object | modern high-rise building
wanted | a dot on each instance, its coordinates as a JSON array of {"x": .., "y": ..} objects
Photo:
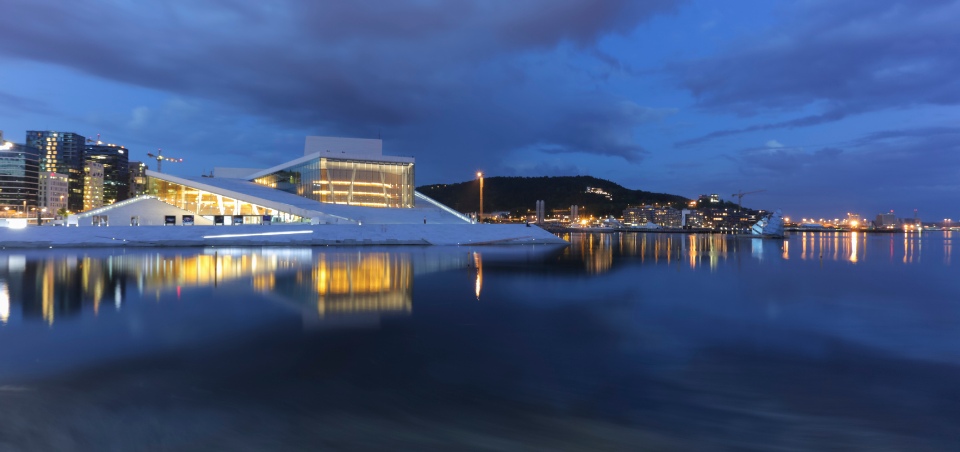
[
  {"x": 61, "y": 152},
  {"x": 116, "y": 171},
  {"x": 53, "y": 191},
  {"x": 137, "y": 182},
  {"x": 19, "y": 182},
  {"x": 886, "y": 221},
  {"x": 92, "y": 185},
  {"x": 58, "y": 150}
]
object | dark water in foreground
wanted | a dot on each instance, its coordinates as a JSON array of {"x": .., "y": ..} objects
[{"x": 617, "y": 342}]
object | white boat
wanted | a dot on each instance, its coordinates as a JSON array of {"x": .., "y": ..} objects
[{"x": 769, "y": 226}]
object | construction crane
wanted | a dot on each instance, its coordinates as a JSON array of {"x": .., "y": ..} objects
[
  {"x": 160, "y": 158},
  {"x": 740, "y": 194}
]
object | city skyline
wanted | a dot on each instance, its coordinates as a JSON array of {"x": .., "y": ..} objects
[{"x": 827, "y": 107}]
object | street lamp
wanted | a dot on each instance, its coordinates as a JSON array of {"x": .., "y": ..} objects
[{"x": 480, "y": 216}]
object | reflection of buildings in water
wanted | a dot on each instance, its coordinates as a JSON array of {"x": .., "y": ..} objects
[
  {"x": 50, "y": 287},
  {"x": 594, "y": 250},
  {"x": 478, "y": 264},
  {"x": 712, "y": 246},
  {"x": 854, "y": 247},
  {"x": 718, "y": 249},
  {"x": 350, "y": 283},
  {"x": 4, "y": 302},
  {"x": 912, "y": 248},
  {"x": 693, "y": 251},
  {"x": 597, "y": 251},
  {"x": 214, "y": 267},
  {"x": 61, "y": 285},
  {"x": 756, "y": 248},
  {"x": 947, "y": 243}
]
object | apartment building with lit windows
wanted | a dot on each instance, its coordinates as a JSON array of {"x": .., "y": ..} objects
[
  {"x": 53, "y": 191},
  {"x": 92, "y": 185},
  {"x": 61, "y": 152}
]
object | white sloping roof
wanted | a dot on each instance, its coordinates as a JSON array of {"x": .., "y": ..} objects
[
  {"x": 149, "y": 211},
  {"x": 234, "y": 173},
  {"x": 308, "y": 208}
]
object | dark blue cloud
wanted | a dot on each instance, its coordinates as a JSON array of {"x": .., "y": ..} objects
[
  {"x": 783, "y": 161},
  {"x": 896, "y": 169},
  {"x": 23, "y": 104},
  {"x": 358, "y": 68},
  {"x": 668, "y": 95},
  {"x": 840, "y": 58}
]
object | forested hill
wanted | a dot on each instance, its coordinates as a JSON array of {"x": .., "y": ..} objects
[{"x": 520, "y": 194}]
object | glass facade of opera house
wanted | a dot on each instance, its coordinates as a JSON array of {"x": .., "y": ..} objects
[{"x": 354, "y": 182}]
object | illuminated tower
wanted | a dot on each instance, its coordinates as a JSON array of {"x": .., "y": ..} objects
[
  {"x": 61, "y": 152},
  {"x": 116, "y": 169}
]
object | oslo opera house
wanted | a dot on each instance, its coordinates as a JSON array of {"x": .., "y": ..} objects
[{"x": 341, "y": 191}]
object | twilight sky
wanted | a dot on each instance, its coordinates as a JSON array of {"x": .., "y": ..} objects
[{"x": 828, "y": 106}]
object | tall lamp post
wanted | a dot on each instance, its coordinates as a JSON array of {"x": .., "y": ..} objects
[{"x": 480, "y": 216}]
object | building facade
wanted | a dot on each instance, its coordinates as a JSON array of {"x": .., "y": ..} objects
[
  {"x": 337, "y": 181},
  {"x": 346, "y": 181},
  {"x": 19, "y": 178},
  {"x": 58, "y": 150},
  {"x": 886, "y": 221},
  {"x": 345, "y": 171},
  {"x": 53, "y": 191},
  {"x": 137, "y": 179},
  {"x": 92, "y": 185},
  {"x": 666, "y": 217},
  {"x": 116, "y": 171},
  {"x": 61, "y": 152}
]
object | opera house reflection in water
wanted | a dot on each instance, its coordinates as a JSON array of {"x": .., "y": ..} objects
[
  {"x": 348, "y": 283},
  {"x": 322, "y": 284},
  {"x": 599, "y": 252}
]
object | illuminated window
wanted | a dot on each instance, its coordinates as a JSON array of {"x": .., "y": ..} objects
[{"x": 365, "y": 183}]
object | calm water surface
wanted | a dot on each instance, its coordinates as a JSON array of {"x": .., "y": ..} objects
[{"x": 824, "y": 341}]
